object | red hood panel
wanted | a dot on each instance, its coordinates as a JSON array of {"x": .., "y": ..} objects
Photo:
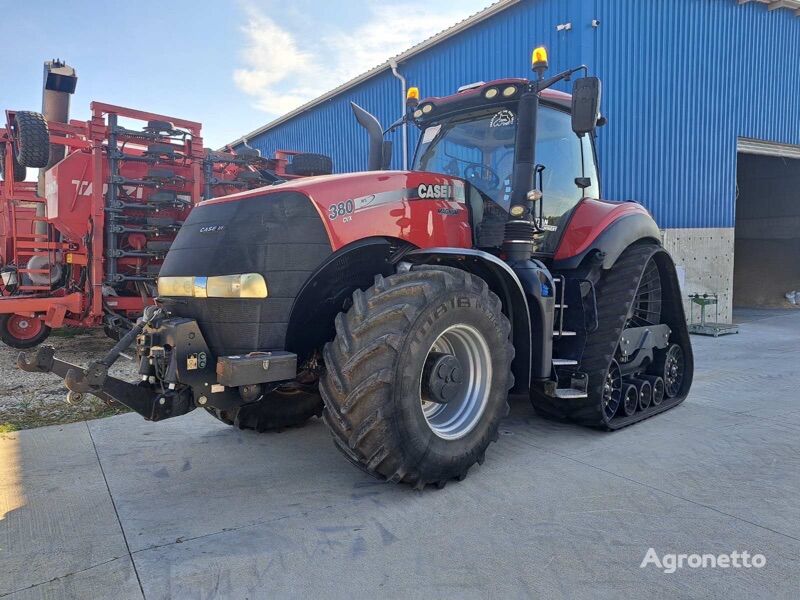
[{"x": 425, "y": 209}]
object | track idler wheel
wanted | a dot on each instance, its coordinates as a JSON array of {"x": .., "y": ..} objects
[
  {"x": 630, "y": 399},
  {"x": 671, "y": 365},
  {"x": 612, "y": 390}
]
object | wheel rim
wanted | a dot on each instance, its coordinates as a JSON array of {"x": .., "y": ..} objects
[
  {"x": 23, "y": 328},
  {"x": 461, "y": 413},
  {"x": 612, "y": 390},
  {"x": 646, "y": 307},
  {"x": 673, "y": 371}
]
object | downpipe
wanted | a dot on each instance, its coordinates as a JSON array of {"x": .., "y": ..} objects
[{"x": 404, "y": 128}]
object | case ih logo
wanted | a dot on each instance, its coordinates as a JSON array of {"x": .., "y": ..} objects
[
  {"x": 434, "y": 191},
  {"x": 211, "y": 228}
]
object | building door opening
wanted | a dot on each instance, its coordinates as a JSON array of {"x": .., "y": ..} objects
[{"x": 767, "y": 235}]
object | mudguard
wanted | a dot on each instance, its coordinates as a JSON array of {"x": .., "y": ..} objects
[
  {"x": 605, "y": 229},
  {"x": 503, "y": 281}
]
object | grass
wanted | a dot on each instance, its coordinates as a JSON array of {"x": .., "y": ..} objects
[{"x": 37, "y": 413}]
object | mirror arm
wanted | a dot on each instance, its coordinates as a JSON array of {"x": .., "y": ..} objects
[
  {"x": 396, "y": 124},
  {"x": 543, "y": 84}
]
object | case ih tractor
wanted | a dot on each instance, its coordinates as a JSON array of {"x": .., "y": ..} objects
[{"x": 404, "y": 306}]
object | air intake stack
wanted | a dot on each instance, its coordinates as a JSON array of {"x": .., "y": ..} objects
[{"x": 59, "y": 84}]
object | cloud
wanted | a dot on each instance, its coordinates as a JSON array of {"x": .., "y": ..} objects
[{"x": 280, "y": 75}]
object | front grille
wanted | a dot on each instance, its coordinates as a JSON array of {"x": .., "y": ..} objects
[{"x": 279, "y": 235}]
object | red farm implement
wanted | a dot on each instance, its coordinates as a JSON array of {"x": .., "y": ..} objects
[{"x": 84, "y": 246}]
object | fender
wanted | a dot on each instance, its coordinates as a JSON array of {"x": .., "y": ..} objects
[
  {"x": 608, "y": 233},
  {"x": 329, "y": 287},
  {"x": 504, "y": 282}
]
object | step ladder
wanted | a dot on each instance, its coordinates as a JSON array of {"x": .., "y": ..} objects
[{"x": 572, "y": 392}]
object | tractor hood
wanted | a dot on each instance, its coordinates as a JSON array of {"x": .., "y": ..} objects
[
  {"x": 353, "y": 206},
  {"x": 286, "y": 232}
]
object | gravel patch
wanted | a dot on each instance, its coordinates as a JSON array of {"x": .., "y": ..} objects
[{"x": 34, "y": 399}]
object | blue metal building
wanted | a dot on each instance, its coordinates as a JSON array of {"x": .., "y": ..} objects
[{"x": 687, "y": 86}]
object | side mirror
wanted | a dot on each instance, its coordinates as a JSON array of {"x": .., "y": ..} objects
[
  {"x": 375, "y": 132},
  {"x": 585, "y": 105}
]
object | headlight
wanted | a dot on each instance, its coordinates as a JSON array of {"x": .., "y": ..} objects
[
  {"x": 490, "y": 93},
  {"x": 176, "y": 286},
  {"x": 509, "y": 91},
  {"x": 248, "y": 285}
]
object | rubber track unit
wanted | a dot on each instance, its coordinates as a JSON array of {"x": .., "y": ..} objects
[
  {"x": 355, "y": 391},
  {"x": 615, "y": 293},
  {"x": 33, "y": 140},
  {"x": 272, "y": 413}
]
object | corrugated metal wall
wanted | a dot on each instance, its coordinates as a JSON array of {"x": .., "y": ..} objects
[{"x": 682, "y": 79}]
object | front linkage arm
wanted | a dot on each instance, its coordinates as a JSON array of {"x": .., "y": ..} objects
[{"x": 95, "y": 379}]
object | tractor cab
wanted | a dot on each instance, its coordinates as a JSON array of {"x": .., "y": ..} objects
[{"x": 472, "y": 135}]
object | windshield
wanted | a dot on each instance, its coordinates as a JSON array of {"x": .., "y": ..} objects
[{"x": 479, "y": 147}]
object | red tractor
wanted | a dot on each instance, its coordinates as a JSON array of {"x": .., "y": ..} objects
[{"x": 404, "y": 306}]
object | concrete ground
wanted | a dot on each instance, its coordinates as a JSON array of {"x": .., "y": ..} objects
[{"x": 189, "y": 508}]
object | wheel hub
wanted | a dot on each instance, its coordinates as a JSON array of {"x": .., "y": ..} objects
[{"x": 442, "y": 377}]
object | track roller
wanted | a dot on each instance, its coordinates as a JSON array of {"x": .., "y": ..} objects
[
  {"x": 658, "y": 388},
  {"x": 630, "y": 399},
  {"x": 645, "y": 391}
]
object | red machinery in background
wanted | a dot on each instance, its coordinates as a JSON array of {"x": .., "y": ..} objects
[{"x": 84, "y": 246}]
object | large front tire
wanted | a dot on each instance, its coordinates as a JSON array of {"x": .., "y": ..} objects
[{"x": 407, "y": 343}]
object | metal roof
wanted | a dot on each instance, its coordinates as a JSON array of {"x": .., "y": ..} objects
[{"x": 482, "y": 15}]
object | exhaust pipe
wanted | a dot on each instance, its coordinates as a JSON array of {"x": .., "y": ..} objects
[{"x": 375, "y": 133}]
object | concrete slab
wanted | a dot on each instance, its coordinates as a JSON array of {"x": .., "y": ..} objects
[
  {"x": 56, "y": 515},
  {"x": 113, "y": 579},
  {"x": 528, "y": 524},
  {"x": 556, "y": 511}
]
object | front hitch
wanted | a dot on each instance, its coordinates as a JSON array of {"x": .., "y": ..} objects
[{"x": 95, "y": 379}]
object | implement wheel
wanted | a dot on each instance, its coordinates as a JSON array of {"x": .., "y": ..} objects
[
  {"x": 22, "y": 332},
  {"x": 418, "y": 375},
  {"x": 32, "y": 140},
  {"x": 310, "y": 164},
  {"x": 287, "y": 406},
  {"x": 19, "y": 171}
]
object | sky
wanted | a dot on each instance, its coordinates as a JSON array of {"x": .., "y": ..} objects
[{"x": 232, "y": 65}]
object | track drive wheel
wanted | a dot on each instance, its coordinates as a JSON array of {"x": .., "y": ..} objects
[
  {"x": 287, "y": 406},
  {"x": 22, "y": 332},
  {"x": 418, "y": 375}
]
